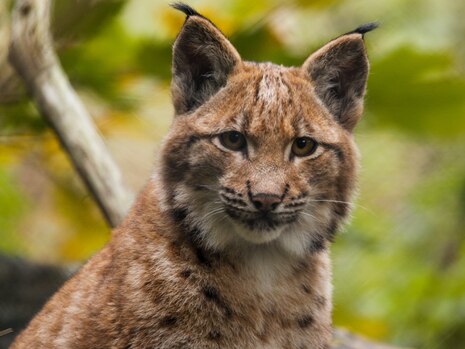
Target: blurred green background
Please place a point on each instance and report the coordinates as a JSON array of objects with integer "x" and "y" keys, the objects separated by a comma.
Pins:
[{"x": 399, "y": 268}]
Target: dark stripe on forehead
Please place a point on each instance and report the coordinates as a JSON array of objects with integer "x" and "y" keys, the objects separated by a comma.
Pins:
[
  {"x": 258, "y": 101},
  {"x": 290, "y": 96},
  {"x": 297, "y": 121},
  {"x": 257, "y": 89},
  {"x": 245, "y": 121}
]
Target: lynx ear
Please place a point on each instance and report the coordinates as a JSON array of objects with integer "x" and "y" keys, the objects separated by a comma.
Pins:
[
  {"x": 202, "y": 60},
  {"x": 338, "y": 72}
]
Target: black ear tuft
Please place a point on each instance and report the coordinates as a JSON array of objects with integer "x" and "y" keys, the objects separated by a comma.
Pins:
[
  {"x": 363, "y": 29},
  {"x": 188, "y": 11}
]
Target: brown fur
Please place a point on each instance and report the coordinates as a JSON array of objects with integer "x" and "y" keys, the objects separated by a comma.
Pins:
[{"x": 195, "y": 265}]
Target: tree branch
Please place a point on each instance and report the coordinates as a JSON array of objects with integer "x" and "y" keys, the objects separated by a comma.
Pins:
[{"x": 32, "y": 55}]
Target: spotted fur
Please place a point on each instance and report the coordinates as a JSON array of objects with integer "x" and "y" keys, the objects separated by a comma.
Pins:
[{"x": 223, "y": 248}]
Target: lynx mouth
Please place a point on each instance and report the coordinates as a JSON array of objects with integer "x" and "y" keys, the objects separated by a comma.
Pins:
[{"x": 261, "y": 221}]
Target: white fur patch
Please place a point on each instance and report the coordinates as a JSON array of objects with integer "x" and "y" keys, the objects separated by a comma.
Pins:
[{"x": 271, "y": 87}]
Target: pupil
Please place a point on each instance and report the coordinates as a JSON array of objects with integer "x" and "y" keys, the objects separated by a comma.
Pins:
[
  {"x": 233, "y": 137},
  {"x": 302, "y": 143}
]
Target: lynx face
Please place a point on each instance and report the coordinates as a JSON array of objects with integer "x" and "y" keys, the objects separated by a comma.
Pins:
[{"x": 260, "y": 154}]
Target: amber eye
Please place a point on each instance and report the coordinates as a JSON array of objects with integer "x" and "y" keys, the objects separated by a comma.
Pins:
[
  {"x": 304, "y": 146},
  {"x": 233, "y": 140}
]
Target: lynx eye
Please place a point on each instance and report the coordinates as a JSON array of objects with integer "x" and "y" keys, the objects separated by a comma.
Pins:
[
  {"x": 233, "y": 140},
  {"x": 303, "y": 146}
]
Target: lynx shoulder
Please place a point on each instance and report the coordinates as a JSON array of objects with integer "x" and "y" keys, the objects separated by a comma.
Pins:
[{"x": 227, "y": 245}]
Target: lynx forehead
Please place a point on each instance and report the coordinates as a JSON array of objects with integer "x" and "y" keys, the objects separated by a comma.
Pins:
[{"x": 227, "y": 246}]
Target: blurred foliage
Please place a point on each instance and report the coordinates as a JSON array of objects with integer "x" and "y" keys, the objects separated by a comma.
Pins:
[
  {"x": 78, "y": 20},
  {"x": 415, "y": 90},
  {"x": 398, "y": 267},
  {"x": 12, "y": 208}
]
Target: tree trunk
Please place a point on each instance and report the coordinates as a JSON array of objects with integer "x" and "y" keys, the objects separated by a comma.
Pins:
[{"x": 32, "y": 55}]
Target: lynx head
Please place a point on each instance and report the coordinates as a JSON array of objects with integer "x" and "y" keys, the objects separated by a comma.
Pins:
[{"x": 260, "y": 154}]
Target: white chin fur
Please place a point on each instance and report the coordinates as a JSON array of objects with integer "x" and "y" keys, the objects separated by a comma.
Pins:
[
  {"x": 257, "y": 236},
  {"x": 225, "y": 233}
]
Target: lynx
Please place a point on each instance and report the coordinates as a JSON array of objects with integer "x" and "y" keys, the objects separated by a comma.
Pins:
[{"x": 227, "y": 245}]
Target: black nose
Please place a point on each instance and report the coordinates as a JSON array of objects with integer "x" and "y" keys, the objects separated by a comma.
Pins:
[{"x": 266, "y": 202}]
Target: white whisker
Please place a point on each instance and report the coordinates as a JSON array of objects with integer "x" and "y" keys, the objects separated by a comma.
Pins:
[
  {"x": 212, "y": 213},
  {"x": 218, "y": 219},
  {"x": 312, "y": 217}
]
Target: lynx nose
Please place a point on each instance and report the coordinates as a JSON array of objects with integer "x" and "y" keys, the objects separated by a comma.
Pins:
[{"x": 266, "y": 202}]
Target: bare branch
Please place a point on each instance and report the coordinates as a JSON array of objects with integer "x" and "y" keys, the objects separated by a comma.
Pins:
[{"x": 32, "y": 55}]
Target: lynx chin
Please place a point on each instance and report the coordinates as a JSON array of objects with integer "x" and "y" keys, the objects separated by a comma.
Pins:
[{"x": 227, "y": 244}]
